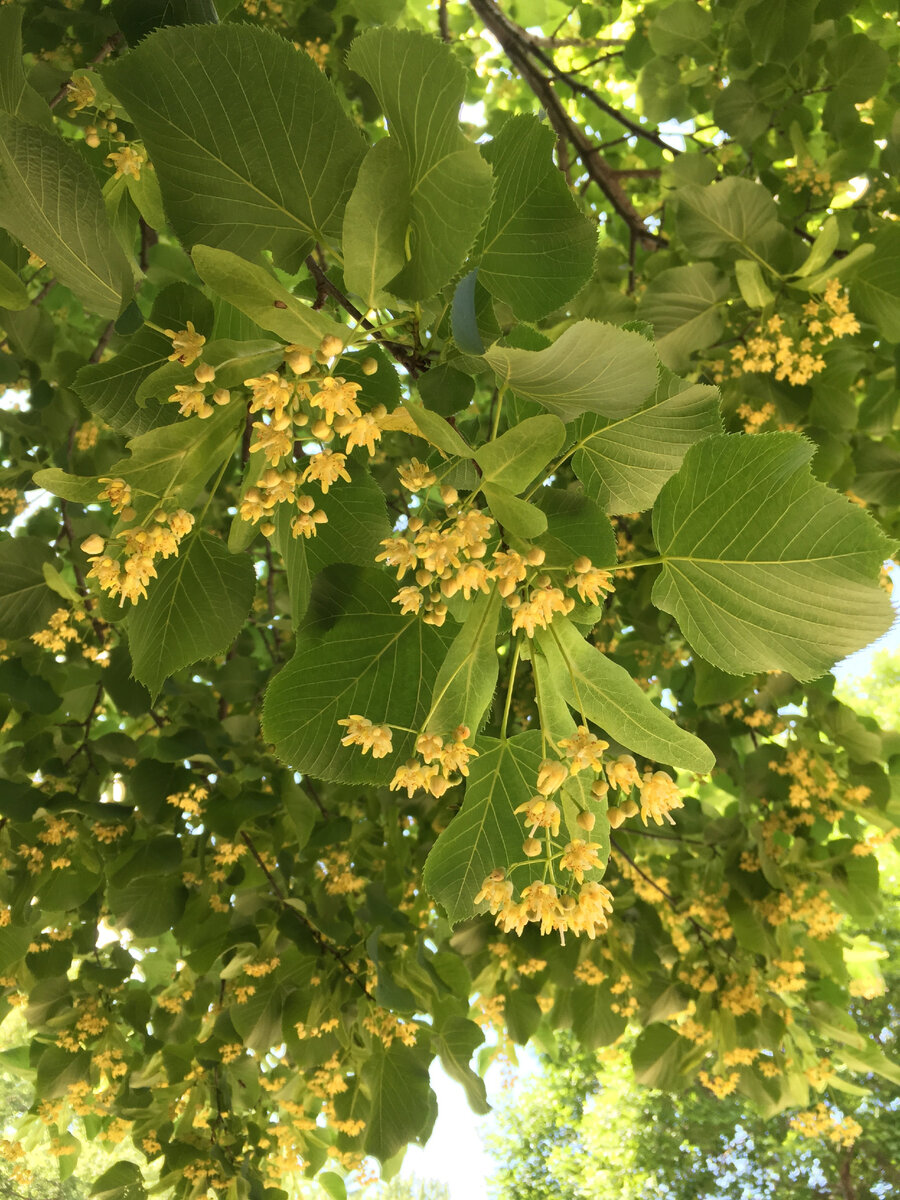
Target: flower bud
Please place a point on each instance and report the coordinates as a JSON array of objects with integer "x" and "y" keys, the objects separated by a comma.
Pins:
[
  {"x": 299, "y": 361},
  {"x": 93, "y": 544},
  {"x": 204, "y": 373},
  {"x": 615, "y": 816},
  {"x": 531, "y": 847},
  {"x": 369, "y": 366},
  {"x": 586, "y": 820},
  {"x": 535, "y": 556},
  {"x": 221, "y": 396},
  {"x": 330, "y": 345}
]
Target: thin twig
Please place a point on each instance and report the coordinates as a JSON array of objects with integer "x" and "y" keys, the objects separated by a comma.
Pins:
[
  {"x": 414, "y": 363},
  {"x": 103, "y": 342},
  {"x": 320, "y": 939},
  {"x": 443, "y": 22},
  {"x": 701, "y": 932}
]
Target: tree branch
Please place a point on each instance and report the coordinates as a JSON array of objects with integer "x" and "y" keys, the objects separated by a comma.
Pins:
[{"x": 519, "y": 51}]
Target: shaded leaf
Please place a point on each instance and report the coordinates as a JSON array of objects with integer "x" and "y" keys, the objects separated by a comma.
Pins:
[
  {"x": 591, "y": 367},
  {"x": 536, "y": 248},
  {"x": 50, "y": 201},
  {"x": 420, "y": 85},
  {"x": 194, "y": 610},
  {"x": 251, "y": 146}
]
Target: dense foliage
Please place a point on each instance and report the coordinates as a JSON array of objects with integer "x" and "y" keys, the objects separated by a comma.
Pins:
[{"x": 424, "y": 515}]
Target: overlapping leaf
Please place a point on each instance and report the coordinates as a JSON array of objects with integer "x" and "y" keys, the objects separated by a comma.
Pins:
[
  {"x": 536, "y": 249},
  {"x": 194, "y": 610},
  {"x": 444, "y": 180},
  {"x": 765, "y": 568},
  {"x": 591, "y": 367},
  {"x": 605, "y": 693},
  {"x": 50, "y": 201},
  {"x": 624, "y": 463},
  {"x": 250, "y": 143}
]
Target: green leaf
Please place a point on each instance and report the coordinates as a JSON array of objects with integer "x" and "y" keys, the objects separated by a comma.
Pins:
[
  {"x": 375, "y": 223},
  {"x": 765, "y": 568},
  {"x": 50, "y": 201},
  {"x": 122, "y": 1181},
  {"x": 136, "y": 21},
  {"x": 685, "y": 307},
  {"x": 396, "y": 1083},
  {"x": 58, "y": 1069},
  {"x": 371, "y": 661},
  {"x": 822, "y": 248},
  {"x": 518, "y": 517},
  {"x": 357, "y": 523},
  {"x": 195, "y": 609},
  {"x": 755, "y": 292},
  {"x": 878, "y": 472},
  {"x": 108, "y": 388},
  {"x": 678, "y": 28},
  {"x": 254, "y": 291},
  {"x": 255, "y": 153},
  {"x": 455, "y": 1042},
  {"x": 780, "y": 29},
  {"x": 658, "y": 1058},
  {"x": 485, "y": 833},
  {"x": 148, "y": 906},
  {"x": 591, "y": 367},
  {"x": 513, "y": 459},
  {"x": 176, "y": 460},
  {"x": 857, "y": 65},
  {"x": 623, "y": 464},
  {"x": 420, "y": 85},
  {"x": 444, "y": 390},
  {"x": 576, "y": 527},
  {"x": 466, "y": 681},
  {"x": 438, "y": 431},
  {"x": 606, "y": 694},
  {"x": 80, "y": 489},
  {"x": 13, "y": 293},
  {"x": 26, "y": 603},
  {"x": 593, "y": 1021},
  {"x": 536, "y": 249},
  {"x": 17, "y": 96},
  {"x": 875, "y": 290},
  {"x": 733, "y": 215}
]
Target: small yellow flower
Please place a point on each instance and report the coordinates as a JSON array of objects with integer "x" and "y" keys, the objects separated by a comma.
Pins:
[{"x": 127, "y": 161}]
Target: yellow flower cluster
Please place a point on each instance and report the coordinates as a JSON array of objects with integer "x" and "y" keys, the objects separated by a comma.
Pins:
[
  {"x": 658, "y": 793},
  {"x": 11, "y": 502},
  {"x": 793, "y": 355},
  {"x": 386, "y": 1027},
  {"x": 451, "y": 555},
  {"x": 337, "y": 871},
  {"x": 720, "y": 1085},
  {"x": 190, "y": 801},
  {"x": 140, "y": 546},
  {"x": 807, "y": 173},
  {"x": 819, "y": 1122},
  {"x": 58, "y": 632},
  {"x": 86, "y": 435}
]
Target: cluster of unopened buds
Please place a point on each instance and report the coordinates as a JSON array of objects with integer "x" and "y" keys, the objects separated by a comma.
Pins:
[
  {"x": 126, "y": 571},
  {"x": 442, "y": 762},
  {"x": 552, "y": 901},
  {"x": 452, "y": 555}
]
